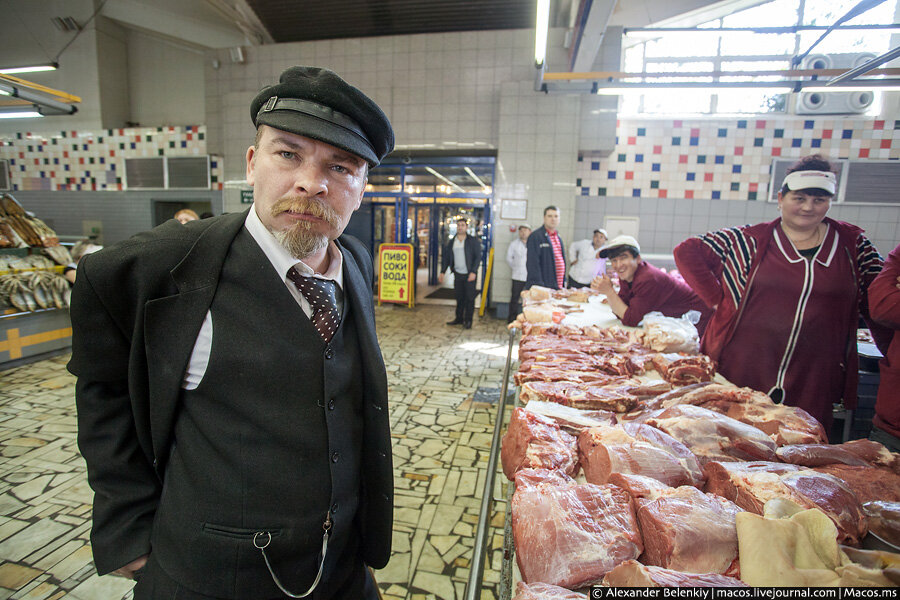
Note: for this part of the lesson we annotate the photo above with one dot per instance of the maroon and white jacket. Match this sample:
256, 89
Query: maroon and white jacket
799, 332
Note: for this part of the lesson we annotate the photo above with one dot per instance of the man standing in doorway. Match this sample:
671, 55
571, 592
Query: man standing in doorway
231, 394
585, 263
516, 259
463, 255
546, 257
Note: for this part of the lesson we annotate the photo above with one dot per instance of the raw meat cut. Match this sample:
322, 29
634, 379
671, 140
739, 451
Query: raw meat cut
633, 574
686, 530
577, 396
784, 424
874, 453
681, 369
868, 483
536, 442
712, 436
532, 477
817, 455
571, 535
638, 486
884, 520
859, 453
636, 449
545, 591
751, 484
572, 420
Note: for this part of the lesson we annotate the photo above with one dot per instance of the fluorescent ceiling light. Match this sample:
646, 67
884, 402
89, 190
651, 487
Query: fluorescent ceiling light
475, 177
445, 180
22, 114
29, 69
541, 26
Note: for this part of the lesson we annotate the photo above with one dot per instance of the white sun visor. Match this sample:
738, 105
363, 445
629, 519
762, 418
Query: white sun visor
802, 180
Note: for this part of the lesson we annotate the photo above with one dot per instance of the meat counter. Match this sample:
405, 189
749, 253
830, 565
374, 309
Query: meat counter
682, 417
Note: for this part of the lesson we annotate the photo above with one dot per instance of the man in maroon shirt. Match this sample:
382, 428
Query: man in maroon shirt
643, 288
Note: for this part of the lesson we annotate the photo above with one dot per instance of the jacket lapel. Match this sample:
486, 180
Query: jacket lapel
171, 323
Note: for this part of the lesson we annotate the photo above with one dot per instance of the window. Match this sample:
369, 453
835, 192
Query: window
746, 51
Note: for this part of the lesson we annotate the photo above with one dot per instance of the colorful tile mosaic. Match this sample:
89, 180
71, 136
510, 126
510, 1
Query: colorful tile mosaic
723, 159
95, 160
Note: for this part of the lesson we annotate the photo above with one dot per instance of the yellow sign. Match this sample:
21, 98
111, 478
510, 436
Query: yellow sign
395, 274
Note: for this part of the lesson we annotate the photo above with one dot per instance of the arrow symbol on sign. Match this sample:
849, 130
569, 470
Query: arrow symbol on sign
401, 292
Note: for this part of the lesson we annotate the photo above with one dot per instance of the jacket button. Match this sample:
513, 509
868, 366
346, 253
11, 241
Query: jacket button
331, 404
336, 456
329, 353
334, 508
377, 406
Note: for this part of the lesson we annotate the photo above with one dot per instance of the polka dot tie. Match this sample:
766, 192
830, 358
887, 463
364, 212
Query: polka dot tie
320, 295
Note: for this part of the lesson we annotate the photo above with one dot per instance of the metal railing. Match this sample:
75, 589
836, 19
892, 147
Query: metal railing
476, 573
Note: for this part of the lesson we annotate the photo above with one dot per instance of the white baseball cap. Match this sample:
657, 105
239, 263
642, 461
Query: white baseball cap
617, 242
803, 180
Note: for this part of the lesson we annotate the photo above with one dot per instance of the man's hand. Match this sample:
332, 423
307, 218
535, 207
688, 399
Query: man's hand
603, 284
471, 276
441, 278
128, 570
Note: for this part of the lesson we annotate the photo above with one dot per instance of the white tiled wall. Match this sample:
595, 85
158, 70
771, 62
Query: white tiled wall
664, 222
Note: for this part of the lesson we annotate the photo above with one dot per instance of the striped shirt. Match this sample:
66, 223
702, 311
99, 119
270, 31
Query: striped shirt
558, 258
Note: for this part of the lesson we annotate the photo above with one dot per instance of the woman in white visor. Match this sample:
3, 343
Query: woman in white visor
788, 295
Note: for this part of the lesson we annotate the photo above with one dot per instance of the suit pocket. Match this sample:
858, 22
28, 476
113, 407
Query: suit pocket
237, 533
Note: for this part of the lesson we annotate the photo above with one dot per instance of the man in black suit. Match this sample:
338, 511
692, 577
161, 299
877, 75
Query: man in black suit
232, 397
463, 254
546, 258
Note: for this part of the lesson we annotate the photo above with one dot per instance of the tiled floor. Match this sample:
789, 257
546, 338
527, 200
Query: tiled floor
441, 440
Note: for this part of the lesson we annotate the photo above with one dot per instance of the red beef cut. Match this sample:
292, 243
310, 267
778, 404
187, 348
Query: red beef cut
572, 535
870, 484
751, 484
686, 530
633, 574
636, 449
818, 455
533, 441
784, 424
712, 436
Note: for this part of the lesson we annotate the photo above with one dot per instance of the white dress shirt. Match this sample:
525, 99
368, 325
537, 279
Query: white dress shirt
584, 252
516, 257
282, 262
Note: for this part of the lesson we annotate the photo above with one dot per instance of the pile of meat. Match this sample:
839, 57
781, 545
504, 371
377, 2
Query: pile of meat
630, 466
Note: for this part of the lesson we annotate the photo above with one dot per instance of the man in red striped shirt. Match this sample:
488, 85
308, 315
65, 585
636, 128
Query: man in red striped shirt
546, 260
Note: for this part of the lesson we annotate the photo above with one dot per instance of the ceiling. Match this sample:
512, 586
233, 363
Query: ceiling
292, 21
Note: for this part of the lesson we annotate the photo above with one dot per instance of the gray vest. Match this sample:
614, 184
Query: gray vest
268, 442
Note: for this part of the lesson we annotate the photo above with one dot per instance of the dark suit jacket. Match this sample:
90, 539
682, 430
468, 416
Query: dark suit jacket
540, 262
472, 249
137, 308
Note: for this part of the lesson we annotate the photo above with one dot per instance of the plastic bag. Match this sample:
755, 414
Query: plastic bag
672, 334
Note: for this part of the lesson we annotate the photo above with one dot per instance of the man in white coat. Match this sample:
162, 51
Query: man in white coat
583, 261
516, 257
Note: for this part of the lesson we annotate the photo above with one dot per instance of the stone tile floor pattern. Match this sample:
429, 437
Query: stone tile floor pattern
441, 441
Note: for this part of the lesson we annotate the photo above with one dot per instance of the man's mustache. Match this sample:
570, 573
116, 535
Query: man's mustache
307, 206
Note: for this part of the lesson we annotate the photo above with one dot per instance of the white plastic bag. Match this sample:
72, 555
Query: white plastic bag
671, 334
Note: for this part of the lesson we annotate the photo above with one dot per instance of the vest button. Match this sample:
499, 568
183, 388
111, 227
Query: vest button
335, 457
331, 404
334, 508
329, 353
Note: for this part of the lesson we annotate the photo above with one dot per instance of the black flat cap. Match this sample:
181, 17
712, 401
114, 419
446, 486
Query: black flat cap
317, 103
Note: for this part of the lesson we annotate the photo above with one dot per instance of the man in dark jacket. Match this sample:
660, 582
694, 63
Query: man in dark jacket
546, 254
231, 394
462, 254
